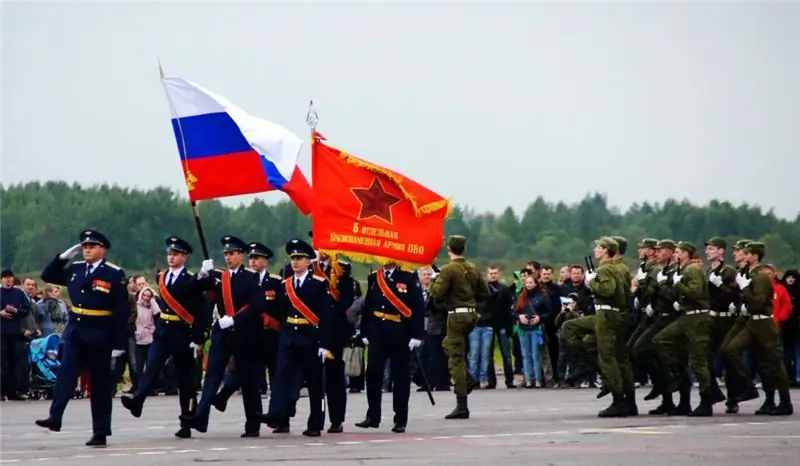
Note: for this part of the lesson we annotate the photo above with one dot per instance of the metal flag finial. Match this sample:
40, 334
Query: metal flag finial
312, 118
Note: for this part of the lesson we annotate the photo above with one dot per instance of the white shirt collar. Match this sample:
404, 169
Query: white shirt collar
301, 277
176, 272
94, 265
261, 275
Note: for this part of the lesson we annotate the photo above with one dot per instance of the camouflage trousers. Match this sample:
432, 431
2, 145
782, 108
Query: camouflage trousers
761, 336
455, 346
692, 333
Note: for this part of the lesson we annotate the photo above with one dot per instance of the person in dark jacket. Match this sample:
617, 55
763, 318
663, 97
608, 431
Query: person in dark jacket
791, 328
14, 308
533, 308
499, 307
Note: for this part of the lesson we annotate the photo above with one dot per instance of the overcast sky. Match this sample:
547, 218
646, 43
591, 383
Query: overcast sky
506, 101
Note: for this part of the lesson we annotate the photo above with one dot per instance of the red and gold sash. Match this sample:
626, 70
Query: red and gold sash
172, 302
321, 273
387, 291
227, 295
298, 303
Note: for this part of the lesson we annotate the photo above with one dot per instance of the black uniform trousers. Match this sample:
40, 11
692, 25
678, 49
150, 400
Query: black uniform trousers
268, 359
298, 363
398, 354
247, 363
335, 386
78, 354
170, 339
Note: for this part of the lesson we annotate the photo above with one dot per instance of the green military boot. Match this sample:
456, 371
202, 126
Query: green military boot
706, 406
618, 407
769, 404
461, 411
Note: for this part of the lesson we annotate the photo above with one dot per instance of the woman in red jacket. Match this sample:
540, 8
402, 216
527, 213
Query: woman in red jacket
781, 301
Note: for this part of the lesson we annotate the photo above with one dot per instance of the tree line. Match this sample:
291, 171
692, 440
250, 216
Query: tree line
39, 220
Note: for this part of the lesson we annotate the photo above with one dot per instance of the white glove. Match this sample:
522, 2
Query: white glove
636, 303
71, 252
641, 275
676, 279
206, 268
661, 278
731, 308
744, 310
365, 341
590, 276
117, 353
195, 348
649, 310
324, 354
225, 322
715, 280
434, 275
743, 282
676, 305
414, 343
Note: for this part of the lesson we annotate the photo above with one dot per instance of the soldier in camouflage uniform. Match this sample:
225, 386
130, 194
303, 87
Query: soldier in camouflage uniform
691, 329
644, 286
760, 334
722, 293
459, 286
731, 376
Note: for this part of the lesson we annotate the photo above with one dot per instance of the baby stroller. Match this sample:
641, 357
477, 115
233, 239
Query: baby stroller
43, 355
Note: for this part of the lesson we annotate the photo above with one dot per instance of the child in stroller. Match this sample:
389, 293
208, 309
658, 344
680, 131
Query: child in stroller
43, 356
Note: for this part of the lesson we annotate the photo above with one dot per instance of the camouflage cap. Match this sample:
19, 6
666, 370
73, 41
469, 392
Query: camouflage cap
755, 247
457, 241
742, 243
716, 241
687, 246
666, 244
623, 244
648, 243
608, 243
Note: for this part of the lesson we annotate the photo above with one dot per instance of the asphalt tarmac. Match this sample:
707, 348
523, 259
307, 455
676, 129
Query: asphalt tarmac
510, 427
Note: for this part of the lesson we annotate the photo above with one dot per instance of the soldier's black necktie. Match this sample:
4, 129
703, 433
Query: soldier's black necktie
89, 269
296, 283
169, 279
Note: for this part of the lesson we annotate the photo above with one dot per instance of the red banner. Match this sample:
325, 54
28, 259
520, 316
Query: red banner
371, 213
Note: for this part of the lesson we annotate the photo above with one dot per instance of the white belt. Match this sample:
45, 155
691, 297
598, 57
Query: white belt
759, 317
605, 307
462, 310
696, 311
665, 314
719, 314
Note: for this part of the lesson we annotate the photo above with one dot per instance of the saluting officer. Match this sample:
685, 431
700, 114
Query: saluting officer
393, 325
236, 333
97, 331
341, 289
270, 288
303, 343
180, 333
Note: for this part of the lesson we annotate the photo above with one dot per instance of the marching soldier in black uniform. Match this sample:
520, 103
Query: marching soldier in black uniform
393, 325
97, 330
236, 333
303, 342
341, 289
270, 289
180, 333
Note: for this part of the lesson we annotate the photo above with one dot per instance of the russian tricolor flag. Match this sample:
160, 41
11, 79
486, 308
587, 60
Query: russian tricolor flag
227, 152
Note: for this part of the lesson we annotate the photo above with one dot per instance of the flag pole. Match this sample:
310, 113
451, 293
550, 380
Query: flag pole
195, 211
312, 119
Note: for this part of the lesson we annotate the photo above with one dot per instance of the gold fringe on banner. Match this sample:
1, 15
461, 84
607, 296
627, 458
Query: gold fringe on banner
365, 258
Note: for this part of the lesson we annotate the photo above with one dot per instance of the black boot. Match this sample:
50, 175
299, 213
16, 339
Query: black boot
706, 406
665, 407
630, 403
785, 407
368, 423
684, 404
617, 408
769, 404
604, 390
133, 404
461, 411
220, 400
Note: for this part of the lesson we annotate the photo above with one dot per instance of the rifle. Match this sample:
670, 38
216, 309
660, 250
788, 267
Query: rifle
589, 263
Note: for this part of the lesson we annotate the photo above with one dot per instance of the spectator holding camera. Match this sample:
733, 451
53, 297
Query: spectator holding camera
534, 308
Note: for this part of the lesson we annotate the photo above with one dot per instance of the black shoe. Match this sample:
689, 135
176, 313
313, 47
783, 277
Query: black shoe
132, 404
732, 409
472, 384
336, 428
767, 408
191, 422
97, 441
18, 397
220, 402
461, 411
749, 393
399, 429
683, 409
281, 430
617, 408
49, 423
654, 393
705, 408
368, 423
784, 408
717, 396
250, 434
269, 419
604, 390
184, 432
312, 433
664, 408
